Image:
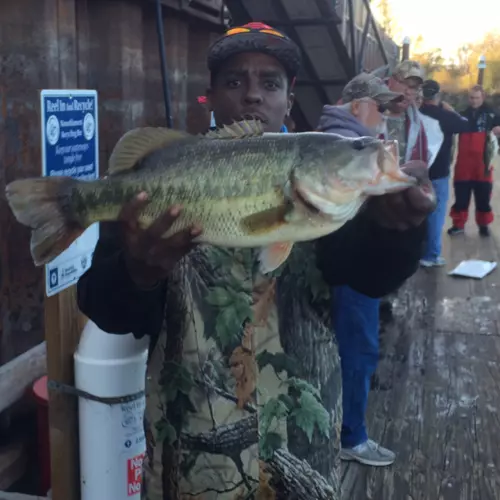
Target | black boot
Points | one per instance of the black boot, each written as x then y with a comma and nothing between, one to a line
455,230
484,231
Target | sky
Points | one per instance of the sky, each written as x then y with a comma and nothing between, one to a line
432,19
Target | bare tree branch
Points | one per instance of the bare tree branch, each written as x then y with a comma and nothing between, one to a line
223,394
294,479
228,439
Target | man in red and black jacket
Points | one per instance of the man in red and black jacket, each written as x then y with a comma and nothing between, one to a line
471,173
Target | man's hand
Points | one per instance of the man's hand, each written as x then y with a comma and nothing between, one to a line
149,257
496,130
407,208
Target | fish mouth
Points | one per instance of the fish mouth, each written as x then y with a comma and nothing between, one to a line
389,182
389,177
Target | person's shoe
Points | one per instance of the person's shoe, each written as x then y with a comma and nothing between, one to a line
439,262
368,453
484,231
455,230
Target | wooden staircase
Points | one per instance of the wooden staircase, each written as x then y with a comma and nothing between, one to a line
337,39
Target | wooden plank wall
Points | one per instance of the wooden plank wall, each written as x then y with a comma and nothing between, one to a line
108,45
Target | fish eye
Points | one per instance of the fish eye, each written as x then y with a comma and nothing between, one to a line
358,145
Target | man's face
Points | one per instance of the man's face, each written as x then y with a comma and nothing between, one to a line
476,99
367,112
408,87
251,85
419,99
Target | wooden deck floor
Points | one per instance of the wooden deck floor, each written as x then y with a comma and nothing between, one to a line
437,400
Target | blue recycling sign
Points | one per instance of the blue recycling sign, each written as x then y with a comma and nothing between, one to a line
70,147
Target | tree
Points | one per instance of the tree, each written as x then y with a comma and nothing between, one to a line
383,12
432,61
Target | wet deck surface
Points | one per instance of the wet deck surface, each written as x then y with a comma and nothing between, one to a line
437,397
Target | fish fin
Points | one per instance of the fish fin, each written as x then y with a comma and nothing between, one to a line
265,221
43,204
237,130
139,142
272,256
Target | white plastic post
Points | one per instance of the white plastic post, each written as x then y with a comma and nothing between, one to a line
112,440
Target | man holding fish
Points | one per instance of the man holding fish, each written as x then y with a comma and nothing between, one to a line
244,398
473,172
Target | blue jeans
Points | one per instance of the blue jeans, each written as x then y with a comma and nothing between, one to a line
436,219
356,324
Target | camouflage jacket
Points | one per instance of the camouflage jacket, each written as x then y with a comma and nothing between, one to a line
244,382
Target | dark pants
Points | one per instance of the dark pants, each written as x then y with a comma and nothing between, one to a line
482,195
356,323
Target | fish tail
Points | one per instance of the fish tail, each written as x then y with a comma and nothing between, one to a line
44,205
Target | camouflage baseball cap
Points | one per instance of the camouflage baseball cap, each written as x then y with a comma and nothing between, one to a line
409,69
368,85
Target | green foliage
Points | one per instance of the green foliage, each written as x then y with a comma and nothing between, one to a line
218,297
311,413
274,409
175,379
271,413
300,386
303,406
279,361
230,297
176,383
268,444
228,327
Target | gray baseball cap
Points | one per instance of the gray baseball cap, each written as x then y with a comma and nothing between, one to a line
368,85
409,69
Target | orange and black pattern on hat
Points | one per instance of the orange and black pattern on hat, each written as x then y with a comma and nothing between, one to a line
258,37
254,28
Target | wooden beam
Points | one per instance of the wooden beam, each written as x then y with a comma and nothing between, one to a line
17,375
63,321
63,324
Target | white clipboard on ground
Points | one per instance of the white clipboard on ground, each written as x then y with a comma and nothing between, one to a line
477,269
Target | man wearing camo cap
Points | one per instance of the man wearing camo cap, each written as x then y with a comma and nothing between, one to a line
356,315
360,112
416,139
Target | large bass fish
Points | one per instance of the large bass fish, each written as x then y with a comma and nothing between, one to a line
245,188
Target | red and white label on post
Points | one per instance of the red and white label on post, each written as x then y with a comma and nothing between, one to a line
134,474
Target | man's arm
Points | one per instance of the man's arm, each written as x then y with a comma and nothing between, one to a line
369,258
108,296
452,122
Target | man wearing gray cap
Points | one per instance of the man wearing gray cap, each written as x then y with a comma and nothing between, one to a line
363,99
355,315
